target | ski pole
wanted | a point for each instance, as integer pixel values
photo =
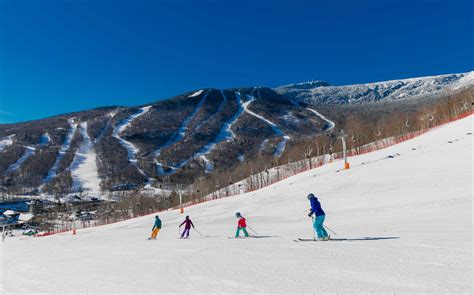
(312, 226)
(330, 230)
(252, 229)
(197, 231)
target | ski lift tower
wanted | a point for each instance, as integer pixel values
(343, 136)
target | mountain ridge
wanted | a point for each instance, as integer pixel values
(205, 134)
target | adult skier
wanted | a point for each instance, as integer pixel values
(241, 225)
(156, 228)
(319, 220)
(187, 227)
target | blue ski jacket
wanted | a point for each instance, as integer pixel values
(157, 223)
(316, 207)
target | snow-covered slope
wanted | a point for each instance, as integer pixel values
(317, 92)
(403, 216)
(6, 141)
(132, 150)
(278, 132)
(181, 132)
(84, 167)
(29, 151)
(62, 151)
(225, 134)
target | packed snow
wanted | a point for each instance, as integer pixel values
(317, 92)
(63, 150)
(225, 134)
(330, 124)
(197, 93)
(403, 224)
(84, 166)
(6, 141)
(179, 135)
(281, 145)
(132, 150)
(110, 115)
(219, 109)
(29, 151)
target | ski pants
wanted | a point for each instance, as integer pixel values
(185, 232)
(154, 233)
(318, 226)
(237, 233)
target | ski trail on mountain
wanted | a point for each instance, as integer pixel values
(197, 93)
(179, 135)
(62, 151)
(29, 151)
(132, 150)
(6, 141)
(219, 109)
(208, 165)
(225, 134)
(282, 144)
(84, 167)
(330, 123)
(111, 115)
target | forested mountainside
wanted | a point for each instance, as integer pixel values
(214, 137)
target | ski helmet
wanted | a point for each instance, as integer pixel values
(310, 196)
(238, 214)
(187, 216)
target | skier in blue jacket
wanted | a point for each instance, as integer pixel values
(319, 220)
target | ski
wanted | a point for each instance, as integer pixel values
(254, 237)
(310, 240)
(305, 240)
(313, 240)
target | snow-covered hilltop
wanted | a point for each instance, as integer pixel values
(318, 92)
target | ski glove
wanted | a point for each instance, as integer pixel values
(310, 214)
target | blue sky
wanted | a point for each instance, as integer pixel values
(63, 56)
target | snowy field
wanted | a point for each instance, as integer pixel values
(404, 217)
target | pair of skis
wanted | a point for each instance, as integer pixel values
(311, 240)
